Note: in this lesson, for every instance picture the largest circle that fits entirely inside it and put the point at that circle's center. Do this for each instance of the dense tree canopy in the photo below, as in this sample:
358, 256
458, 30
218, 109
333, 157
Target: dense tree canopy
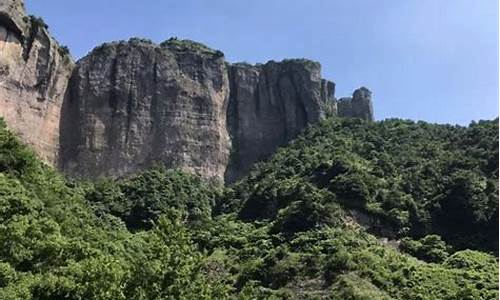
349, 210
412, 179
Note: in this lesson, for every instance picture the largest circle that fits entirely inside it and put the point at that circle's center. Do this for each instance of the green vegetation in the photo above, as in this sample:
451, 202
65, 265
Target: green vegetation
52, 245
64, 50
38, 22
140, 201
414, 179
289, 230
190, 46
302, 62
138, 40
429, 248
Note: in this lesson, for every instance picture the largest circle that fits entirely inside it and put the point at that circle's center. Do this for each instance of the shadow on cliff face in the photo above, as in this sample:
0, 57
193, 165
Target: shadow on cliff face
8, 27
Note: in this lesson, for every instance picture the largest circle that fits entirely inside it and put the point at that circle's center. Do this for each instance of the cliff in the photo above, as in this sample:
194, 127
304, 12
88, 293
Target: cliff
360, 105
129, 105
271, 104
34, 73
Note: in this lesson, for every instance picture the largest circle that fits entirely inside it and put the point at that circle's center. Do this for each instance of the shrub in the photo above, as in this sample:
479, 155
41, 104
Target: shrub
429, 248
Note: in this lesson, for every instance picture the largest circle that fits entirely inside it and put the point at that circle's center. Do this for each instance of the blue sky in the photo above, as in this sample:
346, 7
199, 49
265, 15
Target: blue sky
432, 60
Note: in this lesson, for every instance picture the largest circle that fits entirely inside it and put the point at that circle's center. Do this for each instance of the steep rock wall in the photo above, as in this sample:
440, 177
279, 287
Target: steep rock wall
360, 105
131, 104
34, 73
270, 104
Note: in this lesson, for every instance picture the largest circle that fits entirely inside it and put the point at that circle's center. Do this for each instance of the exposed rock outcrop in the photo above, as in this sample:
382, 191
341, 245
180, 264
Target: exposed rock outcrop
271, 104
359, 106
129, 105
34, 73
13, 17
132, 104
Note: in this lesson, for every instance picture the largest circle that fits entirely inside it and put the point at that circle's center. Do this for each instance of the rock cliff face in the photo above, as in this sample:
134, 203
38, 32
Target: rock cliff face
358, 106
271, 104
131, 104
34, 73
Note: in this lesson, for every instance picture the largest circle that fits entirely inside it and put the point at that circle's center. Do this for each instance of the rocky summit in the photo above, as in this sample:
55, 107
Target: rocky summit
129, 105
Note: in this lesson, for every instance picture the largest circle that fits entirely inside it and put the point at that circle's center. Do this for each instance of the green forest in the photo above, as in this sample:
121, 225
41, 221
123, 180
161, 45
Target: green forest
350, 209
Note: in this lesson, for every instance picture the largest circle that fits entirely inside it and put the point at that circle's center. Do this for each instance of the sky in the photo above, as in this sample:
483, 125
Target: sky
431, 60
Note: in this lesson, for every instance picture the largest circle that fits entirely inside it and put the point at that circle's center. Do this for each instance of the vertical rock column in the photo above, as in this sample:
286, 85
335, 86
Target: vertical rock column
359, 106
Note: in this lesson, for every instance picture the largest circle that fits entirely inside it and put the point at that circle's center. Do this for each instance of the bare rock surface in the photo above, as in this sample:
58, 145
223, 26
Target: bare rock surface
360, 105
34, 73
133, 104
129, 105
271, 104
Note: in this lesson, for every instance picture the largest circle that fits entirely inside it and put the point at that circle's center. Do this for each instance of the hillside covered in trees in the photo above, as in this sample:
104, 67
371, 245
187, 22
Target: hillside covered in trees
349, 210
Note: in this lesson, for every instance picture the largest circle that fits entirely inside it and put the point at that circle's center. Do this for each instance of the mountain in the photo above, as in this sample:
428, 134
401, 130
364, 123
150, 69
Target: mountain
127, 106
161, 171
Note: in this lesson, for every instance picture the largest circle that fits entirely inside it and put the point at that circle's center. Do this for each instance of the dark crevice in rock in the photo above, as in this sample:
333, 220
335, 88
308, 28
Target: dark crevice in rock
51, 79
232, 121
129, 112
115, 129
11, 26
46, 67
300, 108
157, 115
282, 111
69, 123
155, 73
33, 32
112, 100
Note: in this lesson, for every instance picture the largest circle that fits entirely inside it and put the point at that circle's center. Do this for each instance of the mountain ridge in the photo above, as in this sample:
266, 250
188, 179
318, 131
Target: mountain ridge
183, 106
